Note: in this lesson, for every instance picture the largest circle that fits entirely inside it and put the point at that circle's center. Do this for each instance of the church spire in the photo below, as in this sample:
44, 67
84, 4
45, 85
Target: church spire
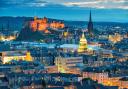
90, 24
90, 18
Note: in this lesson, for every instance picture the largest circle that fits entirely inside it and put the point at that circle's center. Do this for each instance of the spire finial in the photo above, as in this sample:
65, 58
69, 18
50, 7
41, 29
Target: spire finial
83, 34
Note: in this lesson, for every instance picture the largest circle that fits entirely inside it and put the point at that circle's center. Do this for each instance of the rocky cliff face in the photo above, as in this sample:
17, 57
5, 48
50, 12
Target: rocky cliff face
26, 34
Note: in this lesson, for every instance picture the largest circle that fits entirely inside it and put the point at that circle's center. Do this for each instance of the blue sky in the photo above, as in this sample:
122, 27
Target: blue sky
102, 10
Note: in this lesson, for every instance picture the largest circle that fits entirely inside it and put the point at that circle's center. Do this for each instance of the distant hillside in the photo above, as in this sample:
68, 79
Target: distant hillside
16, 23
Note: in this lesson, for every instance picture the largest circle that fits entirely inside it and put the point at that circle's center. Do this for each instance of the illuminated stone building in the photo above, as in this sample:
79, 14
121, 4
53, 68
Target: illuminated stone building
69, 64
106, 54
8, 56
82, 44
28, 56
51, 69
2, 38
115, 38
101, 77
104, 78
7, 38
65, 34
56, 25
43, 25
39, 24
69, 47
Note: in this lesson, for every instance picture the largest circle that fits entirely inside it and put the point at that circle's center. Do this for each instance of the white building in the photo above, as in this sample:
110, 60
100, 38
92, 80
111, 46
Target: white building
69, 64
7, 56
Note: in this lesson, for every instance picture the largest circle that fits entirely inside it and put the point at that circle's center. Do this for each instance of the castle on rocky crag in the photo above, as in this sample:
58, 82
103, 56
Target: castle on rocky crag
43, 25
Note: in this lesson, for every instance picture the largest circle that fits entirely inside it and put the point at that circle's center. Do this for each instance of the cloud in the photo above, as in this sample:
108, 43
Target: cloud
22, 3
107, 4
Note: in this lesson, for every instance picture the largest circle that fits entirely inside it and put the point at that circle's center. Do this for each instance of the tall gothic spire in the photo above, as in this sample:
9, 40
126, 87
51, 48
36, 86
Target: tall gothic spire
90, 24
90, 17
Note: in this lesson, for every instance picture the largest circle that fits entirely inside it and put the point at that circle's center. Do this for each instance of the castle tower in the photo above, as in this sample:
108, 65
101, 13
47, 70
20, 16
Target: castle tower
82, 44
45, 20
90, 25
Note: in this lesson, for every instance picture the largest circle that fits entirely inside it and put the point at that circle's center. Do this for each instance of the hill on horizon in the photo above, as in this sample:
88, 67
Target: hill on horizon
16, 23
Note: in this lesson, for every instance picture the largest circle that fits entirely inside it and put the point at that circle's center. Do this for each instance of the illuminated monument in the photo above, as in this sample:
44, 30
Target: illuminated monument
28, 56
90, 25
82, 44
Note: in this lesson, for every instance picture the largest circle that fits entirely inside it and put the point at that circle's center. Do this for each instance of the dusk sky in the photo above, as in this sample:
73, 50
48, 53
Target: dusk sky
102, 10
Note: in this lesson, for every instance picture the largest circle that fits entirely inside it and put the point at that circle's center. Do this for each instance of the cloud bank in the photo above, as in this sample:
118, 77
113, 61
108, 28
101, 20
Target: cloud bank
99, 4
